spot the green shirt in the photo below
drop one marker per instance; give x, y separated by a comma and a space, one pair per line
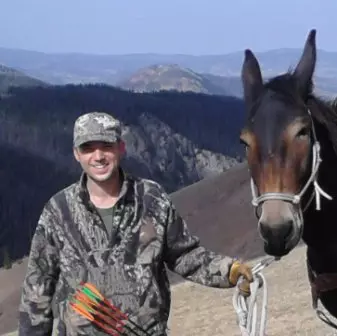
107, 217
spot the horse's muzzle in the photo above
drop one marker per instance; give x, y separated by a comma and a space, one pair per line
280, 227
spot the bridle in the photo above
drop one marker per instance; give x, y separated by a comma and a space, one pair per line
295, 199
319, 282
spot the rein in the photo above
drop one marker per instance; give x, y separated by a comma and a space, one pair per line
246, 308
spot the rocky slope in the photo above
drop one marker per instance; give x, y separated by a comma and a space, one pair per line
218, 210
168, 155
174, 138
173, 77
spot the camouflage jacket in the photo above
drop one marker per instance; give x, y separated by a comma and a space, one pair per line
71, 245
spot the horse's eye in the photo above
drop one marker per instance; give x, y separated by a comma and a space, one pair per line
303, 133
243, 142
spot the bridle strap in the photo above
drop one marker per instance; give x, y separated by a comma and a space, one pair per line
296, 198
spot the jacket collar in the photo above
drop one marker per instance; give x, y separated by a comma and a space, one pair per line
127, 190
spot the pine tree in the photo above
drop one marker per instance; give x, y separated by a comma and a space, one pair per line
6, 259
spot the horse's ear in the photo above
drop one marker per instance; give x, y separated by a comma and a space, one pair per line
306, 65
251, 78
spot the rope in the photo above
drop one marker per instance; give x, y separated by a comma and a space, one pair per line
246, 307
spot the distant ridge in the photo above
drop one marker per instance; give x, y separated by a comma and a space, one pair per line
10, 77
174, 77
74, 67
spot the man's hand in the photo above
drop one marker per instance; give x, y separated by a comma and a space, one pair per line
237, 270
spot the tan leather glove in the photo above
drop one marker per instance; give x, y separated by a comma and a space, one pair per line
237, 270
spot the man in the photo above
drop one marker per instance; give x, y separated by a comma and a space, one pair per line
117, 232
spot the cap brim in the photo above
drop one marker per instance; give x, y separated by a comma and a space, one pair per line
95, 137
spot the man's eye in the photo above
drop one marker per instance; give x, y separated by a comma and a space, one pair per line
84, 148
108, 146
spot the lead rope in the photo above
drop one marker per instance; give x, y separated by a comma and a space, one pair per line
246, 307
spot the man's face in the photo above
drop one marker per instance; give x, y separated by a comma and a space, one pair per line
100, 160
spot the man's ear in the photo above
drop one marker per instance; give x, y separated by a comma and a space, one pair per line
122, 147
75, 151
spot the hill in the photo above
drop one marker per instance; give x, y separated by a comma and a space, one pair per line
218, 210
10, 77
90, 68
174, 138
198, 310
173, 77
227, 196
219, 74
34, 179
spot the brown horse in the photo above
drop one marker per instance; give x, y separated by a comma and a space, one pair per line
290, 137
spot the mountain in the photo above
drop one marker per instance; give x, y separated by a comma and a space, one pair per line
199, 310
228, 202
225, 223
174, 138
289, 303
218, 73
326, 86
62, 68
173, 77
10, 77
187, 141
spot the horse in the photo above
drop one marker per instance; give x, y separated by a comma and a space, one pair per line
290, 138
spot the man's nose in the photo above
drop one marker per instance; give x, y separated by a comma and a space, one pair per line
98, 154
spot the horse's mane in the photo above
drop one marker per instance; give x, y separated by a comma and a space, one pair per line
323, 111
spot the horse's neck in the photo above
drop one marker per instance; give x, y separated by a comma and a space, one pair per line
321, 225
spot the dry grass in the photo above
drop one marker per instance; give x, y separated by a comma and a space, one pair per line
198, 310
219, 211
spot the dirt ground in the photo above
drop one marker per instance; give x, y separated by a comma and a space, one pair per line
202, 311
198, 310
226, 224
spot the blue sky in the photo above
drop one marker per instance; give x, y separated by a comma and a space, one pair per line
185, 26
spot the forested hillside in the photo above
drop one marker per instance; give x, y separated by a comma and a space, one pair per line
174, 138
10, 77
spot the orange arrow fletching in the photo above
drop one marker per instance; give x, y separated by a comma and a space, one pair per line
81, 311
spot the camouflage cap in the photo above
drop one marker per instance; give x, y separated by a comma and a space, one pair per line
96, 126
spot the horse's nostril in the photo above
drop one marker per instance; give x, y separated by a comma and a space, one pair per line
288, 229
275, 231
